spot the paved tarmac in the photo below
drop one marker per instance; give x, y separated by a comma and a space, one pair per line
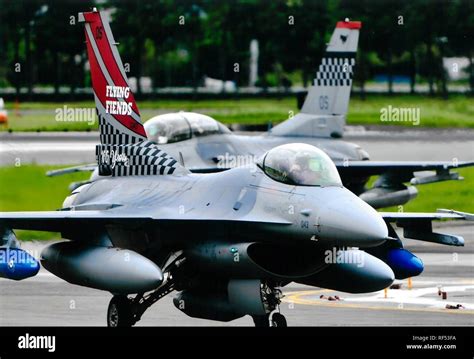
396, 144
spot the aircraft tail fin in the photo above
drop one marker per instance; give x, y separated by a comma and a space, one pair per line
325, 108
119, 118
124, 149
332, 86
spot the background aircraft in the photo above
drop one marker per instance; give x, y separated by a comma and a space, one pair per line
203, 144
227, 241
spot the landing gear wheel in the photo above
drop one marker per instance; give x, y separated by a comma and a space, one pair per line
279, 320
119, 313
263, 321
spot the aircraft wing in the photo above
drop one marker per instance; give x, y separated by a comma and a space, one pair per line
415, 225
403, 171
419, 225
59, 221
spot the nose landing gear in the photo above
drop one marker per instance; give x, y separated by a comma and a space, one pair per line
271, 299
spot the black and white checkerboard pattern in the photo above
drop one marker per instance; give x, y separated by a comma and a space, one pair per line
336, 69
140, 159
110, 135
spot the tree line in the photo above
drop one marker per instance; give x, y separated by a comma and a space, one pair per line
177, 42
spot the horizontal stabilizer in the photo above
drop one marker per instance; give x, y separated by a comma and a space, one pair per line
63, 171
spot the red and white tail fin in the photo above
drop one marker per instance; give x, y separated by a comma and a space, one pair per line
119, 119
124, 149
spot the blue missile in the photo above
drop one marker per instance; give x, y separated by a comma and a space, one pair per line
404, 263
17, 264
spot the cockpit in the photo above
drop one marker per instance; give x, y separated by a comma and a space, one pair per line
180, 126
301, 165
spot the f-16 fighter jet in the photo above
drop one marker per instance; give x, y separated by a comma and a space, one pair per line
225, 242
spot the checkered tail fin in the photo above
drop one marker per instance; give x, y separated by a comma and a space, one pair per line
124, 149
325, 108
331, 90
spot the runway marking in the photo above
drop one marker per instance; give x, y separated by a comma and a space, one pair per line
297, 298
415, 296
433, 282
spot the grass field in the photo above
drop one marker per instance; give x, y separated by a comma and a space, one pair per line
26, 188
458, 111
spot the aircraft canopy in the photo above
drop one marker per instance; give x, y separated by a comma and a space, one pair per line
180, 126
302, 165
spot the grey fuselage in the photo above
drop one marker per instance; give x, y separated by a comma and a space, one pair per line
239, 205
204, 153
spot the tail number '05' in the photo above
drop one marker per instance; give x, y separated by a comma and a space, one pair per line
323, 102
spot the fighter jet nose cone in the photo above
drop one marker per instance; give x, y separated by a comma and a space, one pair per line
373, 228
352, 222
